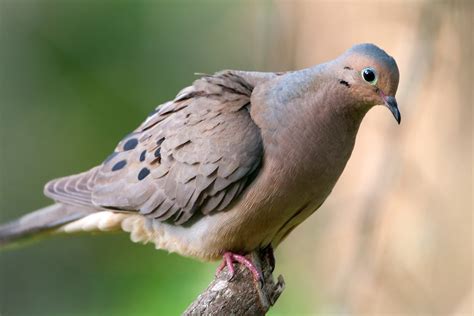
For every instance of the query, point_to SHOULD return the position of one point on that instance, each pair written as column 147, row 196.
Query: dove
column 233, row 164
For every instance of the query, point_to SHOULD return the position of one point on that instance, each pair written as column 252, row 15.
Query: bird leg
column 270, row 256
column 228, row 260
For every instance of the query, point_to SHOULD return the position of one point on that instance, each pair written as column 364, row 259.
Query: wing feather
column 193, row 154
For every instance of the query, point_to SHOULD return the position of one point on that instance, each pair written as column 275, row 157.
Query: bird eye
column 369, row 75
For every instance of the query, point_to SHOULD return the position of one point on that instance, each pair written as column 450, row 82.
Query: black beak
column 392, row 105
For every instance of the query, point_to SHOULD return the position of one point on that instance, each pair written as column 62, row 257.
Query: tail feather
column 41, row 221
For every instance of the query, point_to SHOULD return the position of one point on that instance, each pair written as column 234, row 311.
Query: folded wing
column 195, row 153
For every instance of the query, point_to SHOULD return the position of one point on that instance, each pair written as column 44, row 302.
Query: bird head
column 371, row 77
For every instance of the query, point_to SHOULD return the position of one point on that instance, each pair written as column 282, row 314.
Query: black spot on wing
column 119, row 165
column 143, row 156
column 158, row 152
column 130, row 144
column 143, row 173
column 157, row 155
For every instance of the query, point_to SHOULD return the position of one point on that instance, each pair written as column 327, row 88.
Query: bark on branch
column 241, row 295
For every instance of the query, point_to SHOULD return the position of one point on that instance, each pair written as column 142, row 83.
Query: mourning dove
column 233, row 164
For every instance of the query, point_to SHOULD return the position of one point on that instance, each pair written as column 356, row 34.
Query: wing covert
column 196, row 152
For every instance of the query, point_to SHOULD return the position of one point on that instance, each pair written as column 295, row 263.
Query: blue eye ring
column 370, row 75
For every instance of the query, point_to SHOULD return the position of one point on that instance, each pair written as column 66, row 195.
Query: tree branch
column 241, row 295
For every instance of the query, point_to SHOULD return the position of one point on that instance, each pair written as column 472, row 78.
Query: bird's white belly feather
column 142, row 230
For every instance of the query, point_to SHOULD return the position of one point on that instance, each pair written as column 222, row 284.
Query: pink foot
column 228, row 260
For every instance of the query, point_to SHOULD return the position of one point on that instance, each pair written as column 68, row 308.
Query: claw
column 228, row 260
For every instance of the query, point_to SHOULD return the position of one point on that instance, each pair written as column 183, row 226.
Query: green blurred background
column 76, row 76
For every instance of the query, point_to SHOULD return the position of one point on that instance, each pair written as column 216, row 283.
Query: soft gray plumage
column 233, row 163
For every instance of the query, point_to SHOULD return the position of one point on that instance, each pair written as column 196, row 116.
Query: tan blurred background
column 395, row 236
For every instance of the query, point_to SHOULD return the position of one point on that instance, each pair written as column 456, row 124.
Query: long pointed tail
column 41, row 221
